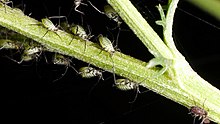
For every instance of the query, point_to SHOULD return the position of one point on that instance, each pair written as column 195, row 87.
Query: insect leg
column 95, row 7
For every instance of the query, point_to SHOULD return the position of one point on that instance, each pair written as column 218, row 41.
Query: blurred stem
column 210, row 6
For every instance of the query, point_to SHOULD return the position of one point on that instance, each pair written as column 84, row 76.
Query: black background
column 31, row 96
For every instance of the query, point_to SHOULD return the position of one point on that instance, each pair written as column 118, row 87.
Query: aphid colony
column 31, row 50
column 28, row 49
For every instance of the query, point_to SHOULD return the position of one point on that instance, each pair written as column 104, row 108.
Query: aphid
column 9, row 44
column 50, row 27
column 77, row 3
column 196, row 111
column 126, row 84
column 79, row 31
column 89, row 72
column 31, row 51
column 59, row 59
column 109, row 12
column 28, row 57
column 199, row 112
column 112, row 14
column 106, row 44
column 6, row 2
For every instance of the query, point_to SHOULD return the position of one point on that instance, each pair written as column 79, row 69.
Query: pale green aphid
column 79, row 31
column 109, row 12
column 112, row 14
column 59, row 59
column 27, row 57
column 89, row 72
column 31, row 51
column 106, row 44
column 50, row 27
column 49, row 24
column 9, row 44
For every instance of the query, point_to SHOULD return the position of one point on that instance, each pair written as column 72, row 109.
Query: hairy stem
column 193, row 88
column 185, row 86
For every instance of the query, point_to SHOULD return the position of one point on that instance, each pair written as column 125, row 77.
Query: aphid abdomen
column 59, row 59
column 48, row 24
column 79, row 31
column 125, row 84
column 89, row 72
column 86, row 72
column 106, row 44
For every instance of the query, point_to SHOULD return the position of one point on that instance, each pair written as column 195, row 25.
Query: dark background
column 30, row 94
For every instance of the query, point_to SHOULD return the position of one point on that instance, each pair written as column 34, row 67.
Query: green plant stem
column 189, row 87
column 195, row 90
column 142, row 29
